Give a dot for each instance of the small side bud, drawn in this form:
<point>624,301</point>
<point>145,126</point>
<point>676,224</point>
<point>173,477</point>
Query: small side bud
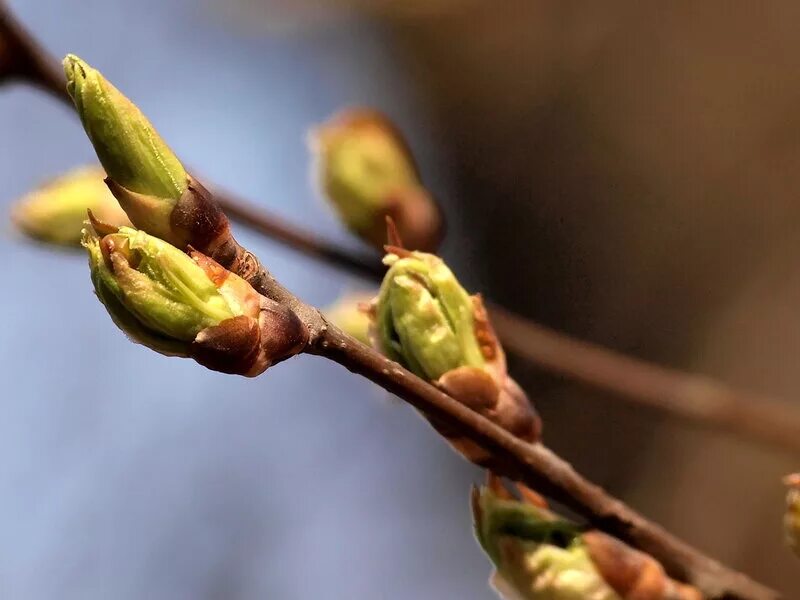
<point>54,212</point>
<point>188,306</point>
<point>129,148</point>
<point>367,173</point>
<point>350,313</point>
<point>791,521</point>
<point>425,320</point>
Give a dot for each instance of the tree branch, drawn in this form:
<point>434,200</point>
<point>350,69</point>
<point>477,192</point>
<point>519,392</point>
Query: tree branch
<point>696,399</point>
<point>541,469</point>
<point>23,58</point>
<point>532,464</point>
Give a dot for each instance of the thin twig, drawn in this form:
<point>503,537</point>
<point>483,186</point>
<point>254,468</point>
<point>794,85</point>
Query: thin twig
<point>694,398</point>
<point>24,59</point>
<point>295,238</point>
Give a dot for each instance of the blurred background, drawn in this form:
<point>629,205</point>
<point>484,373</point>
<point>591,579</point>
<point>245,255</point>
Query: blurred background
<point>623,171</point>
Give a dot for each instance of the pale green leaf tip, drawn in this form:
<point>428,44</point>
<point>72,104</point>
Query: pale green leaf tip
<point>128,146</point>
<point>425,319</point>
<point>153,290</point>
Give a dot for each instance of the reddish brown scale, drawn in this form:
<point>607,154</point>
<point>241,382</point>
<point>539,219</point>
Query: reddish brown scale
<point>213,270</point>
<point>198,218</point>
<point>283,334</point>
<point>246,346</point>
<point>484,332</point>
<point>397,250</point>
<point>417,216</point>
<point>392,235</point>
<point>506,405</point>
<point>531,497</point>
<point>633,574</point>
<point>232,347</point>
<point>101,228</point>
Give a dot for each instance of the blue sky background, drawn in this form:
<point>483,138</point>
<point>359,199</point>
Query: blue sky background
<point>127,475</point>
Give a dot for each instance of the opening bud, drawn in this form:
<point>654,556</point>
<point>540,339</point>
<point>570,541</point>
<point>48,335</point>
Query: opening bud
<point>540,556</point>
<point>54,212</point>
<point>183,305</point>
<point>425,320</point>
<point>537,556</point>
<point>367,173</point>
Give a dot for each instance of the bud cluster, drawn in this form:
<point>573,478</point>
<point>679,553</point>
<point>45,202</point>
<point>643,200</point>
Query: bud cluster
<point>147,178</point>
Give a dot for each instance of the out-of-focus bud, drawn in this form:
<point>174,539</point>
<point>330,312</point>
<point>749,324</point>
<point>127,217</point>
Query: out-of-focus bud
<point>129,148</point>
<point>539,556</point>
<point>54,212</point>
<point>367,173</point>
<point>791,521</point>
<point>425,320</point>
<point>183,305</point>
<point>350,313</point>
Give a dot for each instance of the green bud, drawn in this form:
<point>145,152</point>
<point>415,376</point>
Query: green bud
<point>55,212</point>
<point>425,320</point>
<point>791,521</point>
<point>367,173</point>
<point>129,148</point>
<point>349,314</point>
<point>157,294</point>
<point>537,556</point>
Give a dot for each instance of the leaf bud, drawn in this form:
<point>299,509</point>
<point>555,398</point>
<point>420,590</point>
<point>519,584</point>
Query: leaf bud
<point>367,173</point>
<point>54,212</point>
<point>183,305</point>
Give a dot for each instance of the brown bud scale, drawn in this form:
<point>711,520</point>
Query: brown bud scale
<point>633,574</point>
<point>198,218</point>
<point>245,346</point>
